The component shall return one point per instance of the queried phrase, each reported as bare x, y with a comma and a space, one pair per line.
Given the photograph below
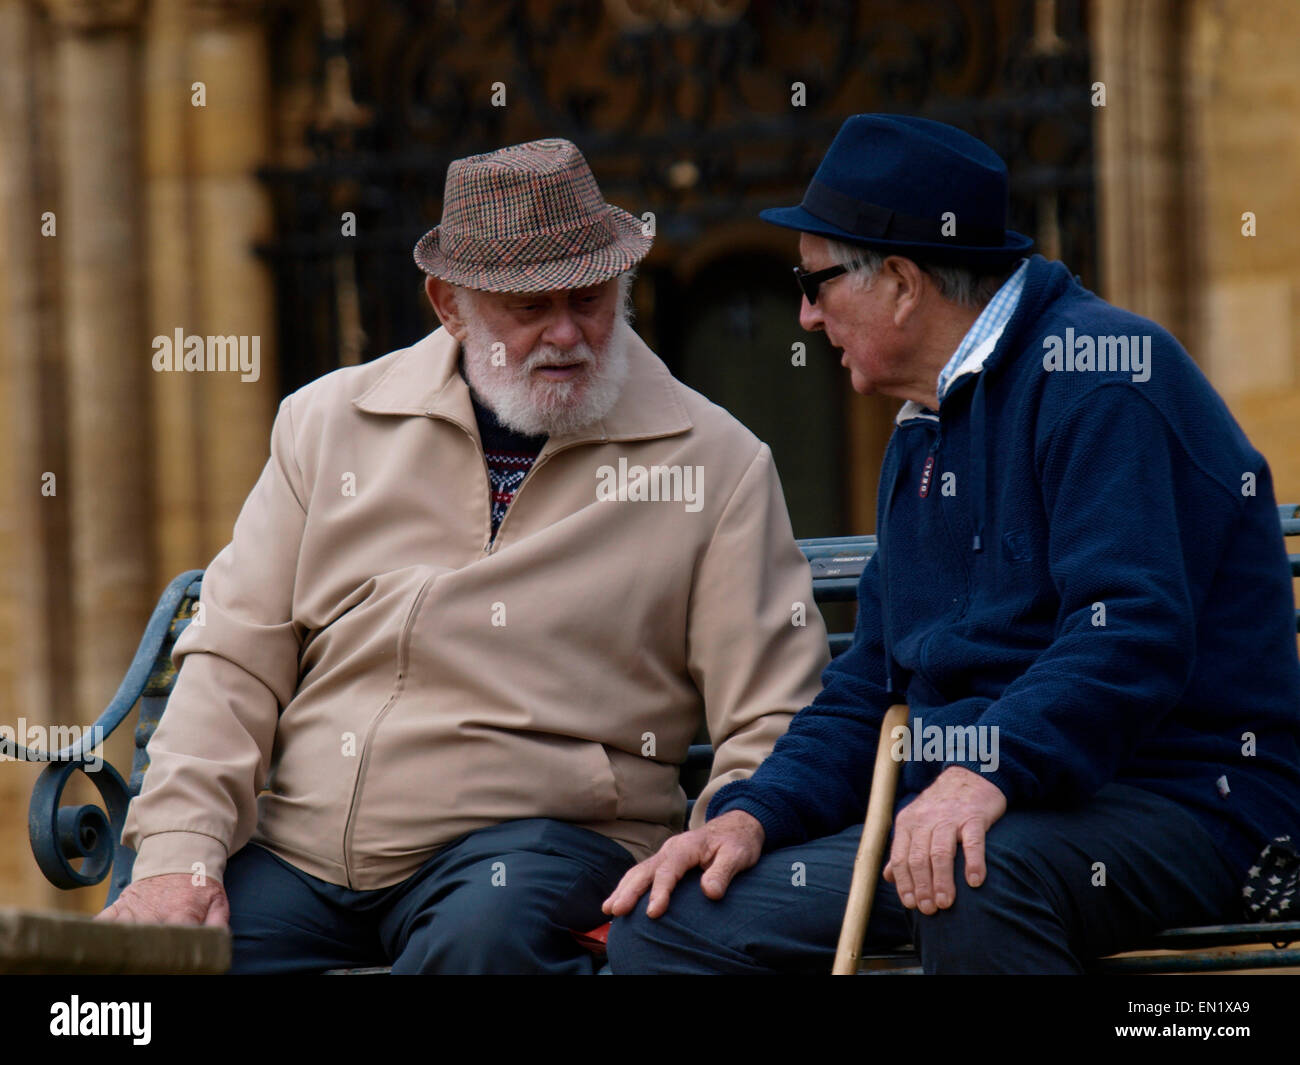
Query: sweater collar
424, 381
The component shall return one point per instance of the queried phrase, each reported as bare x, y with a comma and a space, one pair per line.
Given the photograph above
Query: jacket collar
424, 381
1043, 281
973, 363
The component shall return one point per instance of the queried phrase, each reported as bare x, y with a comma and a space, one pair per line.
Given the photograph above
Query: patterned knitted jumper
510, 455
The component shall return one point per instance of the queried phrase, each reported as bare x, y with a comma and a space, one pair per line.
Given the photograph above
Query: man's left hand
959, 806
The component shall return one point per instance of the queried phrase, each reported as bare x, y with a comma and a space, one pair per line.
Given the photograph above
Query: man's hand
170, 899
722, 848
959, 805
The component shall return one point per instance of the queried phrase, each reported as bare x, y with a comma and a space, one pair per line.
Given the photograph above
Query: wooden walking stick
871, 851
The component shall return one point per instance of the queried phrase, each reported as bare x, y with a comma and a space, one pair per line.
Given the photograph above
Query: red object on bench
594, 940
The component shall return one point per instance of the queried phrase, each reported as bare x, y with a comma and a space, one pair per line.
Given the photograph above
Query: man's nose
810, 315
561, 330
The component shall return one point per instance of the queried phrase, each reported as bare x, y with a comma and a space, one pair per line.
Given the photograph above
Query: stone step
55, 943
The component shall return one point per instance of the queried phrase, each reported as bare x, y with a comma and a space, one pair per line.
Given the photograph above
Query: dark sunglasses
811, 281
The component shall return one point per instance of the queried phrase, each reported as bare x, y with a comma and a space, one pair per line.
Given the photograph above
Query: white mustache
552, 356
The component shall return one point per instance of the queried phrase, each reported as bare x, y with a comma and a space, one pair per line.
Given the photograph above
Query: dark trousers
1063, 887
499, 900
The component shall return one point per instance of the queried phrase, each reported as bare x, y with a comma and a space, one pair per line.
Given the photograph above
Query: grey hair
625, 308
625, 279
957, 284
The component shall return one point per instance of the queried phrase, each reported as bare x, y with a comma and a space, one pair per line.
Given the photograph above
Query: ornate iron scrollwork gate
685, 108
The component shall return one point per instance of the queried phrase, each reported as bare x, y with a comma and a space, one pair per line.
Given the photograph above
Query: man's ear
444, 298
909, 287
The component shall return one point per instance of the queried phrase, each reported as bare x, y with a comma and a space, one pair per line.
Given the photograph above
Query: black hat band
870, 220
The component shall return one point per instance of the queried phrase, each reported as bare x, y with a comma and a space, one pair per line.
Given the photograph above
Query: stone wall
1243, 106
129, 208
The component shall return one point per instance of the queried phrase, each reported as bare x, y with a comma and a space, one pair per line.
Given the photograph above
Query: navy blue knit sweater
1070, 488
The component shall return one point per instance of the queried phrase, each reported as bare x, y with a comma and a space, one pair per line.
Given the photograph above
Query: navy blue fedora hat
900, 184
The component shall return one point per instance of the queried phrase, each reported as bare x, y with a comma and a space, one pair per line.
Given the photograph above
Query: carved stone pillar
100, 247
1143, 174
35, 652
170, 304
231, 138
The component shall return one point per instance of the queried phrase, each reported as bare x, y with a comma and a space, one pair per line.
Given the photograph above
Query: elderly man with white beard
444, 679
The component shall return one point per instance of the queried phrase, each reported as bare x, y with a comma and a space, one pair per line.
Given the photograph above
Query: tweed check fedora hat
528, 218
901, 184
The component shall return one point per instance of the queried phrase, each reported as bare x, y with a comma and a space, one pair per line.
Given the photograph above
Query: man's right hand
724, 847
170, 899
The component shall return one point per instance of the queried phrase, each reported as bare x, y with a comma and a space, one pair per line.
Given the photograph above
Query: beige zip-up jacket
393, 678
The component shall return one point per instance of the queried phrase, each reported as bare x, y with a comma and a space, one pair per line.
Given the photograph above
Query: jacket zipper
490, 547
487, 475
923, 667
490, 541
403, 656
884, 572
403, 642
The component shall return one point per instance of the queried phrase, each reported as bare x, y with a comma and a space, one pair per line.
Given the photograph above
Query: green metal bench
62, 835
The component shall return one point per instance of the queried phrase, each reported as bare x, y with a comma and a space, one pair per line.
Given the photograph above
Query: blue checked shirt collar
983, 335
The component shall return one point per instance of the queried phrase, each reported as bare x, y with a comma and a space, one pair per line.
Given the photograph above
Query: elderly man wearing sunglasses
1067, 513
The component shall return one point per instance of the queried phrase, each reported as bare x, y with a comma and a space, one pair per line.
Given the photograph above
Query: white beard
530, 404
